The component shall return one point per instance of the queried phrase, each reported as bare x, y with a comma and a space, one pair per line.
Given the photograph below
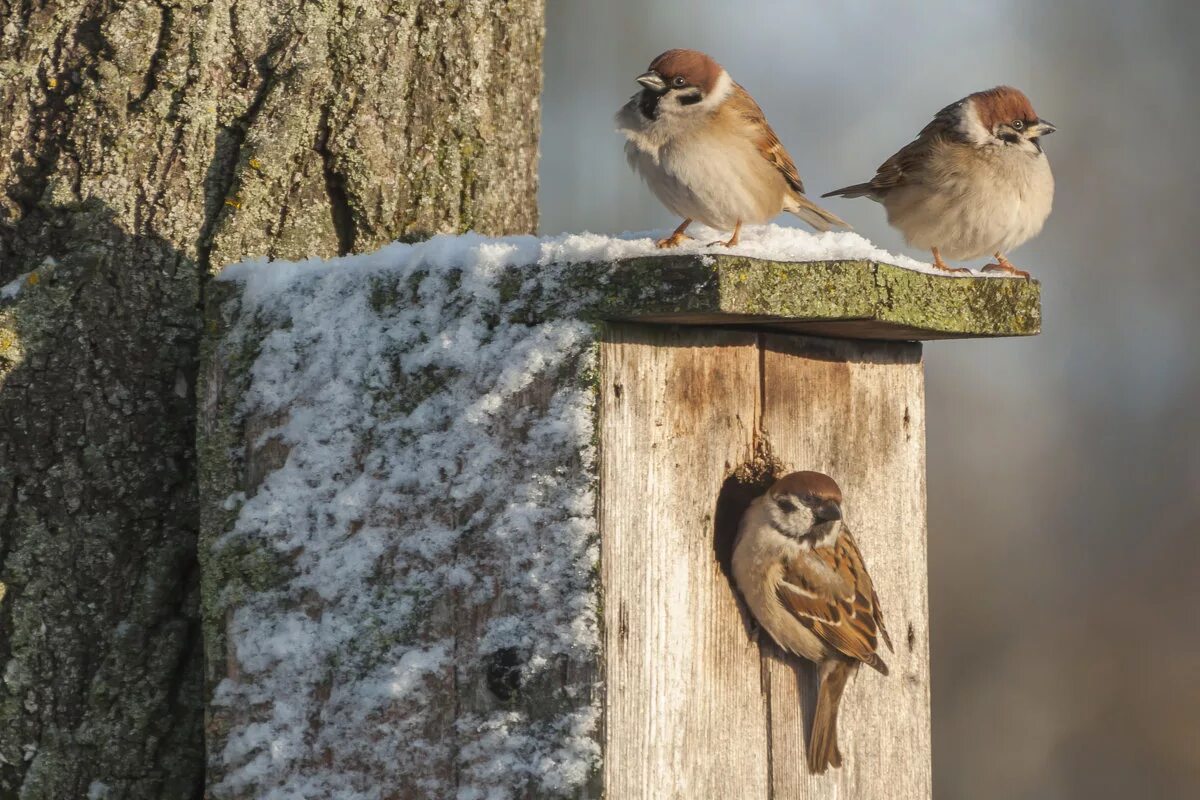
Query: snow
436, 506
10, 290
13, 288
438, 470
490, 255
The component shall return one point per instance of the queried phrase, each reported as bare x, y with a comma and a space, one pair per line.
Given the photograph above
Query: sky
1064, 470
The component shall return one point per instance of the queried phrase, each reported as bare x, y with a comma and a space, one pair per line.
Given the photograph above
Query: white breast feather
714, 176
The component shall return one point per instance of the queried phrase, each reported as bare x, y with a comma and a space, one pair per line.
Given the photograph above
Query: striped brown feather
905, 164
848, 620
741, 103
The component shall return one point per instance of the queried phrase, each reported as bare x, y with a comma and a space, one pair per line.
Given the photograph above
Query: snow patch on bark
438, 470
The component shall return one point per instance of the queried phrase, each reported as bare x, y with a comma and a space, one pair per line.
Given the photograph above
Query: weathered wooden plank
684, 707
849, 328
693, 709
846, 298
855, 410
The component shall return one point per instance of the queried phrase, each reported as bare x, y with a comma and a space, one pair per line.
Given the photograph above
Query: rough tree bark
149, 143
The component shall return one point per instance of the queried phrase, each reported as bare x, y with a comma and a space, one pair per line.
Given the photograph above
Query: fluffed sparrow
975, 181
706, 150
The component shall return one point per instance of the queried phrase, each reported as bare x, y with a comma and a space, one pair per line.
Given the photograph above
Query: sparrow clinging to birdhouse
800, 572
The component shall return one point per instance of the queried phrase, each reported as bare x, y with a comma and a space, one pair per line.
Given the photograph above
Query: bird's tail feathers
816, 216
823, 749
857, 190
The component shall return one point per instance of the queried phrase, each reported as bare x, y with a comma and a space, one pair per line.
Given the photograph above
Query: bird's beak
829, 511
652, 81
1043, 128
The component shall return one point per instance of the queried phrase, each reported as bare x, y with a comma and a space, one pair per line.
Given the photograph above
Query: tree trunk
149, 143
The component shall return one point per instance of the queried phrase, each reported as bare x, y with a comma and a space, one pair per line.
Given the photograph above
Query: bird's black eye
1018, 124
678, 81
787, 505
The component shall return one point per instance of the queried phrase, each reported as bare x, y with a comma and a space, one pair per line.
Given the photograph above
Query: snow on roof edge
447, 251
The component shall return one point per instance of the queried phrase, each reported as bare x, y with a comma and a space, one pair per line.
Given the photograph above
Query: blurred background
1064, 470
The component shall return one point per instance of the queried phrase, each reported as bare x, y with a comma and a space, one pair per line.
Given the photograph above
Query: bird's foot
939, 264
732, 240
944, 267
1004, 265
673, 240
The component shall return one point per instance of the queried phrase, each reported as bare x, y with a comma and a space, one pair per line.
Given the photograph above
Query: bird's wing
844, 612
907, 163
628, 118
631, 123
743, 105
903, 166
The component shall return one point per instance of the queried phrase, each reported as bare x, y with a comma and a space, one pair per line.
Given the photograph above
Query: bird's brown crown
696, 68
1002, 104
820, 486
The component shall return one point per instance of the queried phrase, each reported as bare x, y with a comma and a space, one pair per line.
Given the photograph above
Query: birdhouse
468, 523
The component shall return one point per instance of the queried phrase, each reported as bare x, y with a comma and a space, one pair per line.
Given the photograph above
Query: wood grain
856, 411
684, 710
695, 708
840, 328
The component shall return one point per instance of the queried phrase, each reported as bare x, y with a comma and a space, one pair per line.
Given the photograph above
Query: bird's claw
671, 241
1008, 269
952, 270
944, 267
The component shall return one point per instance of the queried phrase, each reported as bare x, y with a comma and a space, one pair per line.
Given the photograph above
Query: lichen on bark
888, 301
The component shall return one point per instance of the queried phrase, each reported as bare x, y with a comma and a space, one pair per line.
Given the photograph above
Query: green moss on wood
733, 289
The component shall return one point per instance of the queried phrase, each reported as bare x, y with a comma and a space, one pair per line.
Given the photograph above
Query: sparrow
804, 580
975, 181
705, 149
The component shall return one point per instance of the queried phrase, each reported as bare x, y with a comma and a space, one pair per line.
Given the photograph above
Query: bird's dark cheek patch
1011, 138
689, 99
